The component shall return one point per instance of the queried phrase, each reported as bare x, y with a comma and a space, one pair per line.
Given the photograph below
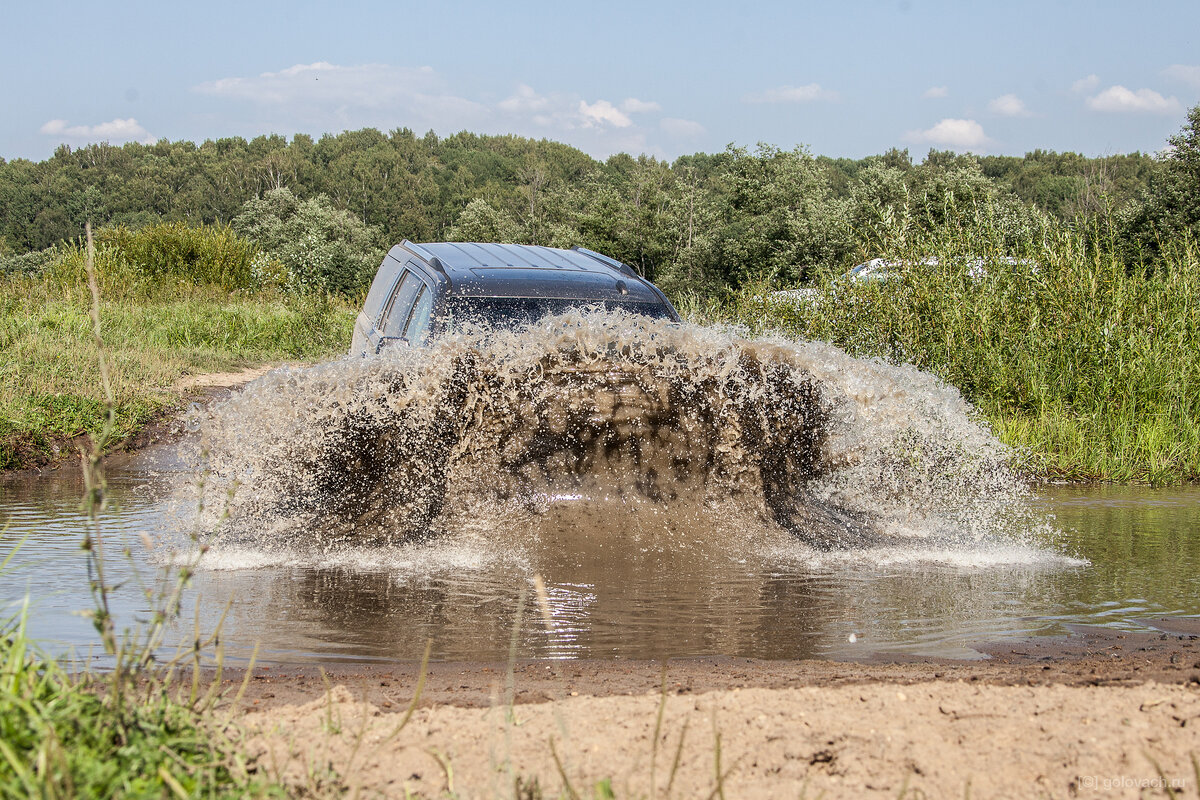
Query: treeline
1057, 293
704, 221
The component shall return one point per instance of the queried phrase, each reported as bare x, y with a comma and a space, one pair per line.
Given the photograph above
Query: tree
778, 219
1170, 211
479, 222
321, 246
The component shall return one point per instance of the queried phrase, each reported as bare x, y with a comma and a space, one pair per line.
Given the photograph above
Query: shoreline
162, 428
1086, 656
1096, 713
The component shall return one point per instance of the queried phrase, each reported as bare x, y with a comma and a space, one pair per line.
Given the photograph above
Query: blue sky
844, 79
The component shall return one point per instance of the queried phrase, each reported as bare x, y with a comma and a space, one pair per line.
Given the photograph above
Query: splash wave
795, 436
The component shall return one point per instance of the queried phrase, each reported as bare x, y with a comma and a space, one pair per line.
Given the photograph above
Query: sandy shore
945, 739
1099, 713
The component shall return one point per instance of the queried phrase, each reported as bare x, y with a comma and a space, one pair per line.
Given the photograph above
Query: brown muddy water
679, 491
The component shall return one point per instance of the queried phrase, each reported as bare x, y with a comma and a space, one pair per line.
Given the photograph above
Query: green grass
174, 301
1088, 366
64, 735
154, 334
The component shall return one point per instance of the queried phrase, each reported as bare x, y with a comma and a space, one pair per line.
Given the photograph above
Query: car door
397, 315
366, 325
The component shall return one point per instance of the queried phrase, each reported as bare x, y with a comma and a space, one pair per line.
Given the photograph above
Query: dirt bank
47, 451
1096, 713
203, 388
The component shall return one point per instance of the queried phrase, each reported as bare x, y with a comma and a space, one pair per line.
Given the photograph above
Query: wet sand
1096, 713
1090, 656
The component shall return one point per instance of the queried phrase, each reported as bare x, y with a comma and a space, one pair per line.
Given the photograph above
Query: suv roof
475, 269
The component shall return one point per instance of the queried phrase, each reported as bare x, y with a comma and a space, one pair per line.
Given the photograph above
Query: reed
1087, 365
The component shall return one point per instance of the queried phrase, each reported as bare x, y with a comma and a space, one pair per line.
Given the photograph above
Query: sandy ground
222, 380
1096, 714
946, 739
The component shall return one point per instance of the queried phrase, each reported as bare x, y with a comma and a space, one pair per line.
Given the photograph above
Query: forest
1058, 293
703, 222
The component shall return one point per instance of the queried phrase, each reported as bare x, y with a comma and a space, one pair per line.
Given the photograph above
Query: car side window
381, 289
418, 320
396, 317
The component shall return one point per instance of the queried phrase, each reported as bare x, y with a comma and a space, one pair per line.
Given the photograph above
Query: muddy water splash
489, 428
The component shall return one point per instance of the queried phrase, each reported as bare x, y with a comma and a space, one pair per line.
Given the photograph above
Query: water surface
644, 590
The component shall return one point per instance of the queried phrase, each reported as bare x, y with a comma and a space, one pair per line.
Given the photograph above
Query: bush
212, 254
320, 247
158, 256
33, 263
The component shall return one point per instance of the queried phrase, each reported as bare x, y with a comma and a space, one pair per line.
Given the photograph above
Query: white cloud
599, 128
683, 128
632, 105
1142, 101
117, 130
558, 113
935, 92
524, 99
791, 94
1008, 105
957, 134
603, 112
322, 96
363, 94
1086, 84
1183, 72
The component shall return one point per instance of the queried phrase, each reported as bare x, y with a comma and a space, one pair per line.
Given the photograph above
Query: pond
617, 581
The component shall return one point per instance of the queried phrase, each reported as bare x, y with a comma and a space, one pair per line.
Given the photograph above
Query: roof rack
429, 257
610, 262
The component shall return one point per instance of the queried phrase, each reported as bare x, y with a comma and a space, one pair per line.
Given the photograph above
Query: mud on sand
1099, 713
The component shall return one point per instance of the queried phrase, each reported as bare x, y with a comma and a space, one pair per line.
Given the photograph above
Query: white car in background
879, 270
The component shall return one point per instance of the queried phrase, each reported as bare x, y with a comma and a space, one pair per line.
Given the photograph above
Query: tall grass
169, 253
1088, 365
175, 303
127, 732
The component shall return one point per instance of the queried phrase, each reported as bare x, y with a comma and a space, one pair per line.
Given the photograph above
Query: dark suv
422, 290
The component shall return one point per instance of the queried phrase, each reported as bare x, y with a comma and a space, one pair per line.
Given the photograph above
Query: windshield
871, 271
512, 312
